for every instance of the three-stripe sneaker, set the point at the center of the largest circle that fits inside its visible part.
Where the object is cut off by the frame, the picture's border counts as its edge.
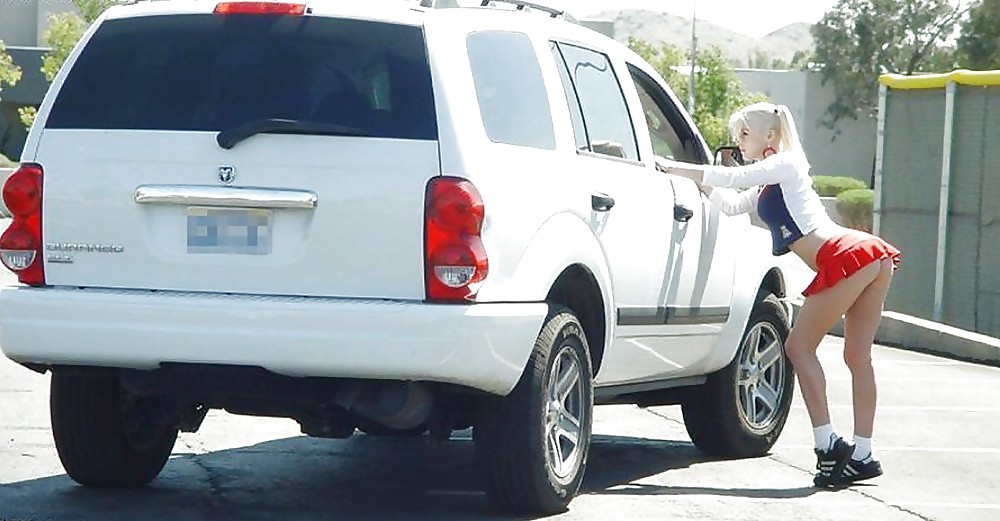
(855, 471)
(831, 463)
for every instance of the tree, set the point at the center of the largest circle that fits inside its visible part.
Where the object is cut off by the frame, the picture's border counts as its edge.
(718, 93)
(10, 73)
(859, 40)
(802, 61)
(979, 44)
(759, 60)
(65, 30)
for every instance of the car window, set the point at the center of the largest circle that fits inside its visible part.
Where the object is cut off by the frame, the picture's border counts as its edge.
(512, 97)
(668, 131)
(605, 113)
(576, 114)
(209, 73)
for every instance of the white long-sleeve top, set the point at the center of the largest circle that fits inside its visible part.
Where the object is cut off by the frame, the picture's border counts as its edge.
(781, 188)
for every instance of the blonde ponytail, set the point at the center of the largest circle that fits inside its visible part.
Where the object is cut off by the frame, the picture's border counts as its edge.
(789, 134)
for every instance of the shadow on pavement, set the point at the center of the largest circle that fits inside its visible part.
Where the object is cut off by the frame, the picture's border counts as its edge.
(364, 478)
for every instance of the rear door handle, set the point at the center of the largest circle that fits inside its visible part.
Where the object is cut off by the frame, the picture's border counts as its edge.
(682, 214)
(601, 202)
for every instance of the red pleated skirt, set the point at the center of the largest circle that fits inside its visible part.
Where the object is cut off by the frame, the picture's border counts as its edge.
(843, 256)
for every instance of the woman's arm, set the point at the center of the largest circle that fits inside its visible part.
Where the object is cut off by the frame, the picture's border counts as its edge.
(731, 202)
(769, 171)
(728, 201)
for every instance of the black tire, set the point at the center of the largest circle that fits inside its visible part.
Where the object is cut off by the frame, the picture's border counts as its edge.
(715, 414)
(512, 432)
(92, 438)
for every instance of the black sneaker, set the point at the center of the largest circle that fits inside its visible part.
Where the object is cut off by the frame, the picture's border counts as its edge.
(856, 471)
(831, 463)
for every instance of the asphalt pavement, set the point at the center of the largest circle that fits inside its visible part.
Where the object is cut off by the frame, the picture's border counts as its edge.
(937, 434)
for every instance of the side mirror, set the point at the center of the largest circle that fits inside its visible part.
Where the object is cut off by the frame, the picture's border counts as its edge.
(728, 156)
(609, 148)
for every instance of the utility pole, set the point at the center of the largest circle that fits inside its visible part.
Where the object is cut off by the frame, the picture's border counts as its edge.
(694, 59)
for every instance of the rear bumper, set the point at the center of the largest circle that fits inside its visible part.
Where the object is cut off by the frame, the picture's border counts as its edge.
(483, 346)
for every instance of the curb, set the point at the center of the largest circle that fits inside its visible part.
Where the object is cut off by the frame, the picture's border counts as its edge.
(925, 336)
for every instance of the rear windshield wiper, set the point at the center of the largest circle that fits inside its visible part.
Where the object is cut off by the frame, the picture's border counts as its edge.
(230, 137)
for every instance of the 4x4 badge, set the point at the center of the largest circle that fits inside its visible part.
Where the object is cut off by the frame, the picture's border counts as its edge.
(227, 174)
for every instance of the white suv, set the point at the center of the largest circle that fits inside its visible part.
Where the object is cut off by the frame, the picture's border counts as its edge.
(384, 217)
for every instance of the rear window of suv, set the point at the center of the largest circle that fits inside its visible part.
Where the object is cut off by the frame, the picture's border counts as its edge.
(210, 73)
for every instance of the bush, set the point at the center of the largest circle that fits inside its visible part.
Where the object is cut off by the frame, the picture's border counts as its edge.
(831, 186)
(6, 163)
(855, 208)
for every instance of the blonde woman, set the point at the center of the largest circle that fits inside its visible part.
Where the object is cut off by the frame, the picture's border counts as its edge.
(853, 273)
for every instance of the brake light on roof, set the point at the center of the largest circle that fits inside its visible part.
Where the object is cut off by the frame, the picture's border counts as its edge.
(272, 8)
(21, 244)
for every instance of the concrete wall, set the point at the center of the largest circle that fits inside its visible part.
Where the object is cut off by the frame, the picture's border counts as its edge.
(847, 150)
(18, 22)
(23, 22)
(784, 87)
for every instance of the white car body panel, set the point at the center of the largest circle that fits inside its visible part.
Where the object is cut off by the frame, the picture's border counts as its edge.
(343, 290)
(364, 238)
(293, 336)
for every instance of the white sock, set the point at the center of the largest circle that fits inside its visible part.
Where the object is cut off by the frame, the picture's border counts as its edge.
(824, 436)
(862, 448)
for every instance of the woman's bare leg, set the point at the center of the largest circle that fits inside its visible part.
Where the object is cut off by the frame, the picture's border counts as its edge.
(860, 324)
(818, 314)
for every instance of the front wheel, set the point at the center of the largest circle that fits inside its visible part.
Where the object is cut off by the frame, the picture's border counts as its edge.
(742, 408)
(534, 442)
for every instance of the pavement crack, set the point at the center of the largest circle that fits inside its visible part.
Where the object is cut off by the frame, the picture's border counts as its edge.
(215, 497)
(809, 472)
(900, 508)
(660, 415)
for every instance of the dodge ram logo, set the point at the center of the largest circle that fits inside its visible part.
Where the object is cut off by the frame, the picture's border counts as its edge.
(227, 174)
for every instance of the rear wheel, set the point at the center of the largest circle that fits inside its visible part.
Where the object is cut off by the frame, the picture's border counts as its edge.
(105, 436)
(741, 409)
(534, 442)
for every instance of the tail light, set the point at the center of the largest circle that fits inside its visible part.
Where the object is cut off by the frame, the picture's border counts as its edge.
(21, 244)
(454, 255)
(274, 8)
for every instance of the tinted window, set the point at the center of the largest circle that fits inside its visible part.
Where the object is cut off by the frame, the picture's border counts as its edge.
(609, 125)
(669, 133)
(208, 73)
(510, 88)
(576, 114)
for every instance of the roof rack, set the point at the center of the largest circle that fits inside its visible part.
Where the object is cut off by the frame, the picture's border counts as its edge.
(553, 12)
(521, 5)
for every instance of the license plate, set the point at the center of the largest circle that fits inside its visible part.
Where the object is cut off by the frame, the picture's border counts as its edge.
(231, 231)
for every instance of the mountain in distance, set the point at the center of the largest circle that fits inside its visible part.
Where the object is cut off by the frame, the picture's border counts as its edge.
(743, 50)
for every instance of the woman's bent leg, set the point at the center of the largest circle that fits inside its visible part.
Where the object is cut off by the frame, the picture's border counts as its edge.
(818, 314)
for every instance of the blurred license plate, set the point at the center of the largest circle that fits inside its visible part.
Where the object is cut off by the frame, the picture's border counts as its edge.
(232, 231)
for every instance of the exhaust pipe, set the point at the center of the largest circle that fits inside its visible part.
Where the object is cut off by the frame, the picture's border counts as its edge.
(397, 405)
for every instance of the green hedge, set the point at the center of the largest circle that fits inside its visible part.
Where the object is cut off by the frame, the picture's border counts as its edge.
(6, 163)
(831, 186)
(855, 208)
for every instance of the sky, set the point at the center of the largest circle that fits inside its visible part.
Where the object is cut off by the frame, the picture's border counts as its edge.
(753, 17)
